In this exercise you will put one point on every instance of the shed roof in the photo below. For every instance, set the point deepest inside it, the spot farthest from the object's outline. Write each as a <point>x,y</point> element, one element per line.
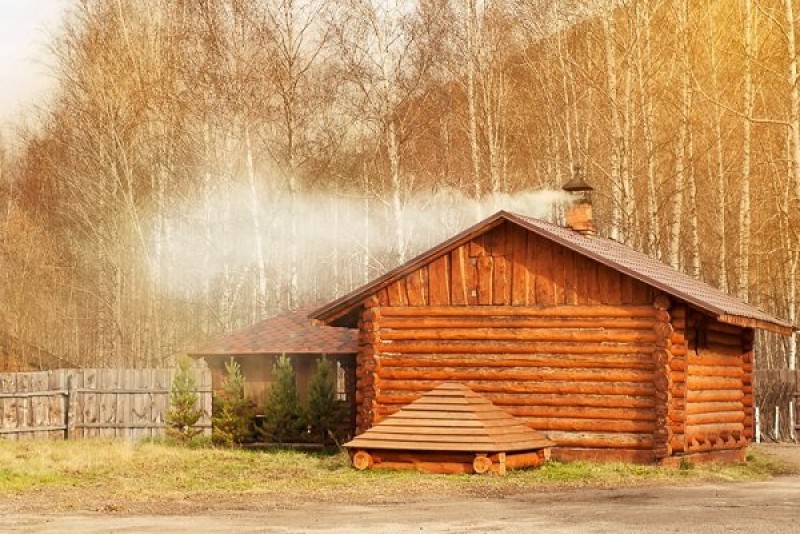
<point>726,308</point>
<point>451,417</point>
<point>288,333</point>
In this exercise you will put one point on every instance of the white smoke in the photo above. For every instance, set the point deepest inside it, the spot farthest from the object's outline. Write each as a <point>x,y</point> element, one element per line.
<point>336,235</point>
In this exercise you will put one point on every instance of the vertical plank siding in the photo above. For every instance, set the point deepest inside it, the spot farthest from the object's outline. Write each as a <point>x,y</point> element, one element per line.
<point>86,403</point>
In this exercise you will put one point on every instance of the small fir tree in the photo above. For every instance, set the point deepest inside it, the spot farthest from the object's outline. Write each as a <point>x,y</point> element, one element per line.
<point>284,420</point>
<point>184,412</point>
<point>325,412</point>
<point>233,413</point>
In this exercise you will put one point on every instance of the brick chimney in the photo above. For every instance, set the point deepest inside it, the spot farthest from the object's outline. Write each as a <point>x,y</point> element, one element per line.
<point>579,212</point>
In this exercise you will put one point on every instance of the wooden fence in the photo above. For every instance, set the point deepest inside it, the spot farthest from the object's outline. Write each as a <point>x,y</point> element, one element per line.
<point>777,393</point>
<point>86,403</point>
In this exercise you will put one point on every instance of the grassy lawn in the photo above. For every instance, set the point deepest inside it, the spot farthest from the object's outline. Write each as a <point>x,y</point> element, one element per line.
<point>151,472</point>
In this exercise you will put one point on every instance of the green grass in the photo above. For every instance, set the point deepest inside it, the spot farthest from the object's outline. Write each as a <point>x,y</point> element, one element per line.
<point>157,471</point>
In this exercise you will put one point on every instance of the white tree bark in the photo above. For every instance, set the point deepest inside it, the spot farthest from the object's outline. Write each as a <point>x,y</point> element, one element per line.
<point>677,203</point>
<point>617,140</point>
<point>743,259</point>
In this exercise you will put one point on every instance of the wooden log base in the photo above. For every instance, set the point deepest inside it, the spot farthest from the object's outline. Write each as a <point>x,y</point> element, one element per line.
<point>567,454</point>
<point>725,456</point>
<point>450,462</point>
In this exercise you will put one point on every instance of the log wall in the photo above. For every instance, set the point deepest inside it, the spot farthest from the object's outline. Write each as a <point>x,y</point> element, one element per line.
<point>718,402</point>
<point>582,374</point>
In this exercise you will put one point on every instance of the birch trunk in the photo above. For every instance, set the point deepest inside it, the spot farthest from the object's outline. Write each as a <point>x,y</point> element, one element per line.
<point>473,48</point>
<point>743,263</point>
<point>616,124</point>
<point>643,57</point>
<point>676,221</point>
<point>720,181</point>
<point>255,215</point>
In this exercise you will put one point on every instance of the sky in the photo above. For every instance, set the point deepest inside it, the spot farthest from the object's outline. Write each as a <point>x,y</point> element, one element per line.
<point>26,29</point>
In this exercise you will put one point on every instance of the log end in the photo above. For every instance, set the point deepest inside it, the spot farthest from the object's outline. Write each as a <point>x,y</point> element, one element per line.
<point>481,464</point>
<point>362,460</point>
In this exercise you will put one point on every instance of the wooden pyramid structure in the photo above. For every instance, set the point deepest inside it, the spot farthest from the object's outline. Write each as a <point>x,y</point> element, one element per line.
<point>450,429</point>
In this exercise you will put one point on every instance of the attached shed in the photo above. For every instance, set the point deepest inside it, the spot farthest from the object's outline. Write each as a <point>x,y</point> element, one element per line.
<point>257,348</point>
<point>610,353</point>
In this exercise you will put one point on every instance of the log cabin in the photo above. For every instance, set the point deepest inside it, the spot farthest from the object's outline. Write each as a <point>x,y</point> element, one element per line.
<point>257,348</point>
<point>611,354</point>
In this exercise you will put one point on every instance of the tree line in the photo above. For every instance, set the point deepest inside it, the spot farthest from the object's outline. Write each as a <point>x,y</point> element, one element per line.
<point>206,163</point>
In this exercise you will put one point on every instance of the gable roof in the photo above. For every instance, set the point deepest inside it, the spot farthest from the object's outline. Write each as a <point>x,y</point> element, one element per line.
<point>726,308</point>
<point>451,417</point>
<point>288,333</point>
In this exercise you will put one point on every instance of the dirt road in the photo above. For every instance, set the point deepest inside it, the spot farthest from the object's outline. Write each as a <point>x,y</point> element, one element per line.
<point>763,507</point>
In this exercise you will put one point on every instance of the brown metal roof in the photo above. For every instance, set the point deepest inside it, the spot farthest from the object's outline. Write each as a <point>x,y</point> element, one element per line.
<point>726,308</point>
<point>451,417</point>
<point>289,333</point>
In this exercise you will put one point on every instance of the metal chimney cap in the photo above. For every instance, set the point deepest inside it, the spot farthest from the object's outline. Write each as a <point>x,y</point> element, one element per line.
<point>577,184</point>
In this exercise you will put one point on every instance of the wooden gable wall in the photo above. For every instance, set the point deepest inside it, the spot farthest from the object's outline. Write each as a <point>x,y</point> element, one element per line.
<point>512,266</point>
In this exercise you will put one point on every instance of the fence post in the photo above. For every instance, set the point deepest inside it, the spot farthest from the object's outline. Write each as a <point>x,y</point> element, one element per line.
<point>67,404</point>
<point>758,425</point>
<point>792,430</point>
<point>777,423</point>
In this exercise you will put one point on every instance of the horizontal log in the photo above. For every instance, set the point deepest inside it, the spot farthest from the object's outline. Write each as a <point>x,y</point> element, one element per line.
<point>563,412</point>
<point>570,454</point>
<point>729,330</point>
<point>720,371</point>
<point>601,440</point>
<point>534,399</point>
<point>510,321</point>
<point>510,347</point>
<point>679,349</point>
<point>713,407</point>
<point>662,330</point>
<point>521,460</point>
<point>722,350</point>
<point>553,388</point>
<point>730,395</point>
<point>565,361</point>
<point>519,311</point>
<point>677,365</point>
<point>702,431</point>
<point>714,418</point>
<point>724,339</point>
<point>544,424</point>
<point>512,334</point>
<point>542,374</point>
<point>712,383</point>
<point>677,443</point>
<point>709,358</point>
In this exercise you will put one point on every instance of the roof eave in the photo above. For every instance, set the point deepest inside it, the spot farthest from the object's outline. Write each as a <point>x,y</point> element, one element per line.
<point>772,326</point>
<point>341,306</point>
<point>783,329</point>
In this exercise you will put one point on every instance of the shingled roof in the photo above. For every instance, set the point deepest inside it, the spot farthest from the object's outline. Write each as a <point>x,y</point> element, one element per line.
<point>451,417</point>
<point>289,333</point>
<point>726,308</point>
